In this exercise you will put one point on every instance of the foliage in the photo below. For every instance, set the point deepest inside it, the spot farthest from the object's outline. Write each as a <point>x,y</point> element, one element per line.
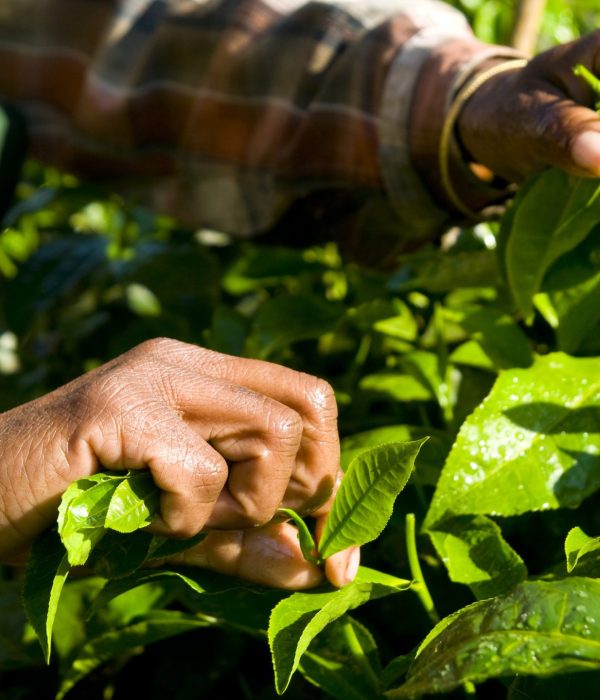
<point>489,348</point>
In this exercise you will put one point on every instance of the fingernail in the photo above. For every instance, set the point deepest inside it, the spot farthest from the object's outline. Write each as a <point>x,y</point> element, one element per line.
<point>353,564</point>
<point>586,151</point>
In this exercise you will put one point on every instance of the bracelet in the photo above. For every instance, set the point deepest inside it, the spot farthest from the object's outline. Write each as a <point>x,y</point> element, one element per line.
<point>450,121</point>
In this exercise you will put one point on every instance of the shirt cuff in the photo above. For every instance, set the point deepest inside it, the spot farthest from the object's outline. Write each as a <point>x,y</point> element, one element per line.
<point>423,79</point>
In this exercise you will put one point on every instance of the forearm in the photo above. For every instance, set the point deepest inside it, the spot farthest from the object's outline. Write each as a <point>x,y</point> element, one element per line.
<point>225,114</point>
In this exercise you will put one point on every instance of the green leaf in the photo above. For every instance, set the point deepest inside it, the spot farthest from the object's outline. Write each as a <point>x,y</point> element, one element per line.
<point>365,500</point>
<point>285,320</point>
<point>499,337</point>
<point>151,627</point>
<point>540,628</point>
<point>403,325</point>
<point>578,546</point>
<point>429,461</point>
<point>165,547</point>
<point>298,619</point>
<point>88,509</point>
<point>475,553</point>
<point>551,217</point>
<point>261,266</point>
<point>46,574</point>
<point>441,271</point>
<point>81,516</point>
<point>397,386</point>
<point>118,554</point>
<point>533,444</point>
<point>199,581</point>
<point>133,504</point>
<point>307,542</point>
<point>572,312</point>
<point>51,273</point>
<point>344,662</point>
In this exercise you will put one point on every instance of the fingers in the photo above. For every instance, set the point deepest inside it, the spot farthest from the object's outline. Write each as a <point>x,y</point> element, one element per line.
<point>227,440</point>
<point>269,555</point>
<point>543,114</point>
<point>274,400</point>
<point>258,436</point>
<point>340,568</point>
<point>189,472</point>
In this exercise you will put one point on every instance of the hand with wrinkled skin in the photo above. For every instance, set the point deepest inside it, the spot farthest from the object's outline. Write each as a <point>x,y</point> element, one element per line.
<point>540,115</point>
<point>227,440</point>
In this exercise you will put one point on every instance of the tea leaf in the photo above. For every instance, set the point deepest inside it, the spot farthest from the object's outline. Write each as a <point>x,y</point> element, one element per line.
<point>475,553</point>
<point>365,499</point>
<point>46,573</point>
<point>81,515</point>
<point>540,628</point>
<point>551,217</point>
<point>578,545</point>
<point>298,619</point>
<point>344,662</point>
<point>533,444</point>
<point>133,504</point>
<point>151,627</point>
<point>117,554</point>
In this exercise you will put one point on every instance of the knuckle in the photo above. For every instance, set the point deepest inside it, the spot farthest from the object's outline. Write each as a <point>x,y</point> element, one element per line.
<point>208,474</point>
<point>157,348</point>
<point>320,398</point>
<point>285,425</point>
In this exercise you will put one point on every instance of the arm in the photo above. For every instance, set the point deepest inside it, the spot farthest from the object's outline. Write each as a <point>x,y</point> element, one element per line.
<point>224,114</point>
<point>228,114</point>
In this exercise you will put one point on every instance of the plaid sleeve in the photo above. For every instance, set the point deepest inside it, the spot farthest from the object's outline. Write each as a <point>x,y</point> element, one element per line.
<point>226,113</point>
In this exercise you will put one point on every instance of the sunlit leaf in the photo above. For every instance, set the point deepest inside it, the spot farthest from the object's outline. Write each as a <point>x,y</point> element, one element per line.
<point>298,619</point>
<point>533,444</point>
<point>539,628</point>
<point>365,499</point>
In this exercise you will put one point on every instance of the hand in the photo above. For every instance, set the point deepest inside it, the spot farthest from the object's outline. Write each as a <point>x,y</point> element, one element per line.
<point>227,440</point>
<point>541,115</point>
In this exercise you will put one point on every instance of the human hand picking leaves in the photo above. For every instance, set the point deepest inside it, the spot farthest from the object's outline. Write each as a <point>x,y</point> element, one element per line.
<point>543,114</point>
<point>227,440</point>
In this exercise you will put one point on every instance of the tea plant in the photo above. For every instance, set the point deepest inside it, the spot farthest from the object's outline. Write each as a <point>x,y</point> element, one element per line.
<point>489,348</point>
<point>504,487</point>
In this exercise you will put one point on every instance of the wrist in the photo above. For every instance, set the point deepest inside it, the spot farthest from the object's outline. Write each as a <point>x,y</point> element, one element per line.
<point>453,170</point>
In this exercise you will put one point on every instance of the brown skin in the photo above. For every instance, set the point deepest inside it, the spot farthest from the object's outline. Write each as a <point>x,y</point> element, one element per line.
<point>541,115</point>
<point>228,440</point>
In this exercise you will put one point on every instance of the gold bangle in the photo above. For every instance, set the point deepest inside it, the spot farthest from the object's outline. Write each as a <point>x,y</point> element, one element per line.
<point>449,123</point>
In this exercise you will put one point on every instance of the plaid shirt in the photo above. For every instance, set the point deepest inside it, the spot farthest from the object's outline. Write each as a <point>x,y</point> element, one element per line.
<point>226,113</point>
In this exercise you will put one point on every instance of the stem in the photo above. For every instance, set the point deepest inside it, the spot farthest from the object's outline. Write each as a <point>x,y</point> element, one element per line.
<point>363,350</point>
<point>359,653</point>
<point>419,587</point>
<point>588,77</point>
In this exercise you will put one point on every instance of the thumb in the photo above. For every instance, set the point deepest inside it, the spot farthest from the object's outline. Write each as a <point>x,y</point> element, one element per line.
<point>268,555</point>
<point>585,152</point>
